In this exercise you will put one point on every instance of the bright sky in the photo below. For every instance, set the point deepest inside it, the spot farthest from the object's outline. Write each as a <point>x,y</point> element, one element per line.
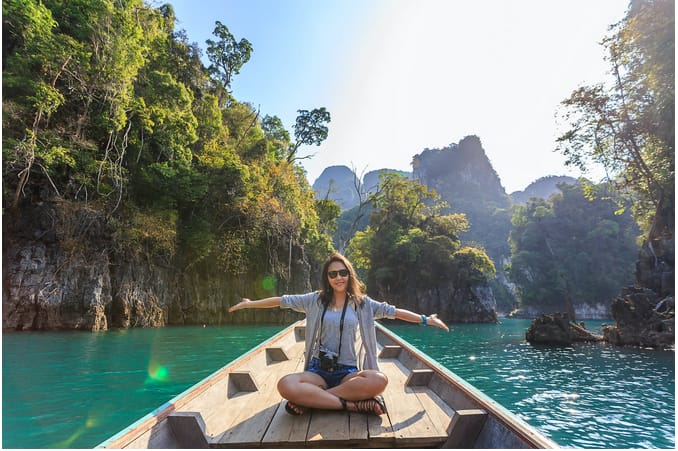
<point>399,76</point>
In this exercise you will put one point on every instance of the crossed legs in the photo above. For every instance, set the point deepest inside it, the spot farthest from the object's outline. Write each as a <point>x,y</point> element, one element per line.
<point>309,390</point>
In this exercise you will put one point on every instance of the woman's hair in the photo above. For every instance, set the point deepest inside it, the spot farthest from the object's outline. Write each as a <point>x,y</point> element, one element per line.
<point>354,288</point>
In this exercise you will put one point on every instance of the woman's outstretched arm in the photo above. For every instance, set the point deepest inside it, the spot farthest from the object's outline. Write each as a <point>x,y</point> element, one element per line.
<point>261,303</point>
<point>412,317</point>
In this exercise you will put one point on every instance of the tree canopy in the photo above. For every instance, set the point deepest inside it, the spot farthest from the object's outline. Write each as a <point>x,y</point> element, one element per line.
<point>569,250</point>
<point>107,106</point>
<point>409,244</point>
<point>628,125</point>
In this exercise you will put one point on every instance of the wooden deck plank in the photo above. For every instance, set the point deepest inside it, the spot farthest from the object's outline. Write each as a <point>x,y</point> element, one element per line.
<point>225,392</point>
<point>358,429</point>
<point>328,428</point>
<point>437,410</point>
<point>380,431</point>
<point>412,426</point>
<point>247,419</point>
<point>285,430</point>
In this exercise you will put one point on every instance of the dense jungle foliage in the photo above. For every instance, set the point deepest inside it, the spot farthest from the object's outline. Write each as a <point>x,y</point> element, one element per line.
<point>108,108</point>
<point>410,244</point>
<point>570,248</point>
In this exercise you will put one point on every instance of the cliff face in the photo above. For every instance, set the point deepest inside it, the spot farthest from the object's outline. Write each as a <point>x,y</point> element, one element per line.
<point>543,188</point>
<point>50,284</point>
<point>53,282</point>
<point>474,305</point>
<point>464,177</point>
<point>645,314</point>
<point>337,183</point>
<point>462,174</point>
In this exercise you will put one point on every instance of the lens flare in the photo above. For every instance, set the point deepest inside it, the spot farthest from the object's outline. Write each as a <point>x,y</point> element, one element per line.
<point>90,422</point>
<point>269,283</point>
<point>157,373</point>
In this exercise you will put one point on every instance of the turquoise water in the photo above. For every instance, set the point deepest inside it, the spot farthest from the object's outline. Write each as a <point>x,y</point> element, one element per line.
<point>582,396</point>
<point>76,389</point>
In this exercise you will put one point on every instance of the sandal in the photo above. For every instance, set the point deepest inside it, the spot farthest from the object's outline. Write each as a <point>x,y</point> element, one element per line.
<point>371,406</point>
<point>294,409</point>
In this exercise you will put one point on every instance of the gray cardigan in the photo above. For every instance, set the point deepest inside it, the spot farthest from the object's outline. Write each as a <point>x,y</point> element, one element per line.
<point>367,312</point>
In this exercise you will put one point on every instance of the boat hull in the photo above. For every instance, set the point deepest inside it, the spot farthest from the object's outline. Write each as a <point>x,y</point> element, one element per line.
<point>239,406</point>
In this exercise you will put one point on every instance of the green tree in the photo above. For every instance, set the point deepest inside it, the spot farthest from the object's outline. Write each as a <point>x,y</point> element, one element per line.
<point>629,126</point>
<point>226,54</point>
<point>569,250</point>
<point>106,105</point>
<point>309,129</point>
<point>71,74</point>
<point>409,244</point>
<point>275,132</point>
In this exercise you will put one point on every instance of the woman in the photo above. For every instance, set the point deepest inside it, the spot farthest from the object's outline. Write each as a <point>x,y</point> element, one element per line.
<point>334,315</point>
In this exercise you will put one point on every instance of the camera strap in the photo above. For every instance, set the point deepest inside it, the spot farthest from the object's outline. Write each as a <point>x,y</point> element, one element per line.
<point>341,326</point>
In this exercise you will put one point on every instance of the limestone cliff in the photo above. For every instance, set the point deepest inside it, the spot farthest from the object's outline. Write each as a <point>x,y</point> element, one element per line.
<point>337,183</point>
<point>52,281</point>
<point>543,188</point>
<point>454,305</point>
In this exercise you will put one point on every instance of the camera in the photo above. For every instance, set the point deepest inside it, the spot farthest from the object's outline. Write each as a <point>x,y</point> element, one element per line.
<point>328,359</point>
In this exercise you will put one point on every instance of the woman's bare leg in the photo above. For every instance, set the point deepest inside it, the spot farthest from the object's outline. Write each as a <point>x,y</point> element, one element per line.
<point>364,384</point>
<point>308,389</point>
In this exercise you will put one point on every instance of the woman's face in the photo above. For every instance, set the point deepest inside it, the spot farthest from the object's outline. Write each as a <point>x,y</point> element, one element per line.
<point>340,281</point>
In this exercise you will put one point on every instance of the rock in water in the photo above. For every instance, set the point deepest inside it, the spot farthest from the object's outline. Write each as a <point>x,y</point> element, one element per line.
<point>642,319</point>
<point>556,328</point>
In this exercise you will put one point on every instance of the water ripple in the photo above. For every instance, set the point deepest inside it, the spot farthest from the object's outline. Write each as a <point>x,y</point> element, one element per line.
<point>583,396</point>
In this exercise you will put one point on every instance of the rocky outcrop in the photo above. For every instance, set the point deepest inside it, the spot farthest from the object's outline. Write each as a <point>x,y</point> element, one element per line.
<point>52,281</point>
<point>543,188</point>
<point>337,183</point>
<point>645,314</point>
<point>474,305</point>
<point>556,328</point>
<point>656,265</point>
<point>642,318</point>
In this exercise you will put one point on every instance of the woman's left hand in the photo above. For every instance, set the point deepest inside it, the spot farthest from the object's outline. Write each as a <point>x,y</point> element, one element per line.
<point>433,320</point>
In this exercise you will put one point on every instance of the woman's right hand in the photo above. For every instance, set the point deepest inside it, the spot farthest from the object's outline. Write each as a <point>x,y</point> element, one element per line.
<point>240,305</point>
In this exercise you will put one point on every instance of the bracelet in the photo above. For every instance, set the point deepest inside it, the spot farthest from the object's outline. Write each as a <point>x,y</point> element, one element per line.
<point>423,320</point>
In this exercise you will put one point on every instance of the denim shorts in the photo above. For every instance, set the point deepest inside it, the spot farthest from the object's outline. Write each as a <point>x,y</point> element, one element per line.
<point>332,378</point>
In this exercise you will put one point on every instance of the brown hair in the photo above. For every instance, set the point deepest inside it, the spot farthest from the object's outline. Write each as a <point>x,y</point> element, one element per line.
<point>354,288</point>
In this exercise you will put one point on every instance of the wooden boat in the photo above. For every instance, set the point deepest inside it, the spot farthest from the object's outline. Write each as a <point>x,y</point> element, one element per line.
<point>239,406</point>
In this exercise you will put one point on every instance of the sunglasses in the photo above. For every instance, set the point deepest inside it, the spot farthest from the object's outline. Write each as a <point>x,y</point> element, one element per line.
<point>341,272</point>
